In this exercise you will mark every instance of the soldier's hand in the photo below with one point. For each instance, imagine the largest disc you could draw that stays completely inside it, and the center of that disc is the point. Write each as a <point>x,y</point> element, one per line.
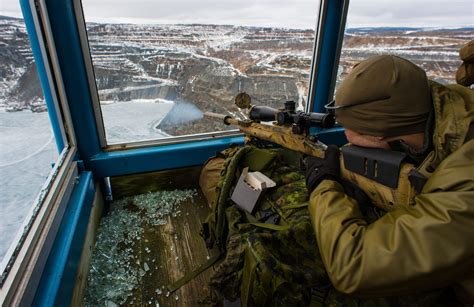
<point>318,169</point>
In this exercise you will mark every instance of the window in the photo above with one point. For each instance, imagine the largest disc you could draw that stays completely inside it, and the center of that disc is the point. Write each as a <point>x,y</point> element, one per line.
<point>27,143</point>
<point>159,65</point>
<point>36,178</point>
<point>428,33</point>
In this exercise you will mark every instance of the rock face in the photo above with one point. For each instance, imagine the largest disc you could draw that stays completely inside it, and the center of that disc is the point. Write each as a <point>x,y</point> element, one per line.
<point>19,84</point>
<point>434,50</point>
<point>207,65</point>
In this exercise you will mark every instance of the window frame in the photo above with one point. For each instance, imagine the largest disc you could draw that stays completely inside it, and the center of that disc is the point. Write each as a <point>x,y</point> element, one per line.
<point>331,27</point>
<point>23,278</point>
<point>81,24</point>
<point>22,265</point>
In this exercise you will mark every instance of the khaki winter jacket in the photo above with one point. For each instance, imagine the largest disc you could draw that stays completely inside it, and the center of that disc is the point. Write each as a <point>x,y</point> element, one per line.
<point>425,246</point>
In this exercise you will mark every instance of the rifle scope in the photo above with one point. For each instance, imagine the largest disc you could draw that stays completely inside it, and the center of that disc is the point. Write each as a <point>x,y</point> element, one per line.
<point>300,121</point>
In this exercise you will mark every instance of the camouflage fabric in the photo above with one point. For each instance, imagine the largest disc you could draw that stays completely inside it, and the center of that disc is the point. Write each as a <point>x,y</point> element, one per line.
<point>279,263</point>
<point>257,269</point>
<point>434,298</point>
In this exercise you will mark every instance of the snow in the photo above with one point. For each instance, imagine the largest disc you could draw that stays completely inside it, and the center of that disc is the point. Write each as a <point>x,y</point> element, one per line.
<point>27,151</point>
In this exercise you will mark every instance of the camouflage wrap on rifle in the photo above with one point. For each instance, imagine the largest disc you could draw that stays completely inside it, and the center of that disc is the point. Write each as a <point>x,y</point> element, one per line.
<point>380,195</point>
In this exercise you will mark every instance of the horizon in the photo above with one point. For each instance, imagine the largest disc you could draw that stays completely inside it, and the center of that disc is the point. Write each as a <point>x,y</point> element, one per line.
<point>360,27</point>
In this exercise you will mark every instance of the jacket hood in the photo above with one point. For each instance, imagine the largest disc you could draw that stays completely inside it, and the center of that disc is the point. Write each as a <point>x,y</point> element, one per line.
<point>454,117</point>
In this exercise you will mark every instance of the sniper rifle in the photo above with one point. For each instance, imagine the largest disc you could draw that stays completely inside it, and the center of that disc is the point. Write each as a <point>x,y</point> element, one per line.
<point>381,174</point>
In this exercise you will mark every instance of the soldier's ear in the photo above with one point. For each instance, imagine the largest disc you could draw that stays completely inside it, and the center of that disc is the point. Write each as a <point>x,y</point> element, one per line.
<point>384,140</point>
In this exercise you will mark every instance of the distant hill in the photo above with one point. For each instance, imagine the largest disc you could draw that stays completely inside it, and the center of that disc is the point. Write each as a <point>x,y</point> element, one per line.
<point>385,29</point>
<point>207,65</point>
<point>9,18</point>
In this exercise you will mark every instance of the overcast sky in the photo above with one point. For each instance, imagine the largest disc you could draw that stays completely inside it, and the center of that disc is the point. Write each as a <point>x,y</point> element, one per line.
<point>285,13</point>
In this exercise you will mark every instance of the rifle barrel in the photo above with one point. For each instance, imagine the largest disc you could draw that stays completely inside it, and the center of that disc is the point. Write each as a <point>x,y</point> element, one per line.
<point>227,119</point>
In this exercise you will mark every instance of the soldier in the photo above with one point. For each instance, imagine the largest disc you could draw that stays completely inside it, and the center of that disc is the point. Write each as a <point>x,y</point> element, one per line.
<point>388,102</point>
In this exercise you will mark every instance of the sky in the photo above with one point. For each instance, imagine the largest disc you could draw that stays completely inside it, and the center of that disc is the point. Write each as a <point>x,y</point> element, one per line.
<point>279,13</point>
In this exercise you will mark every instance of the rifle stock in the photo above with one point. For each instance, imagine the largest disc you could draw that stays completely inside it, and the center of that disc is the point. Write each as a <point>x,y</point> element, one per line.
<point>381,195</point>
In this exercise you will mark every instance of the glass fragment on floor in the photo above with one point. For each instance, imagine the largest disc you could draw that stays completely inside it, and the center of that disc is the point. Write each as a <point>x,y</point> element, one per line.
<point>116,269</point>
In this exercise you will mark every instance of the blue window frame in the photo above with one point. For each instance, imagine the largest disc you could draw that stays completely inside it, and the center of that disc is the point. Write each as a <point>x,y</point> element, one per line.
<point>169,73</point>
<point>20,266</point>
<point>64,72</point>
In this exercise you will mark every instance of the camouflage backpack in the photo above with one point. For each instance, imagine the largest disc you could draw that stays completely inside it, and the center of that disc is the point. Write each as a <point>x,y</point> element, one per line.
<point>271,257</point>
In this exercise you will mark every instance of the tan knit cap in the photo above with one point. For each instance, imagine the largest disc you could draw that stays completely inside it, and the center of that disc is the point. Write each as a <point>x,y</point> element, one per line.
<point>384,96</point>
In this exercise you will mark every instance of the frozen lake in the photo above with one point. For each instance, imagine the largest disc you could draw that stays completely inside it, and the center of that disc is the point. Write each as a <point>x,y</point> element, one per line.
<point>134,120</point>
<point>28,149</point>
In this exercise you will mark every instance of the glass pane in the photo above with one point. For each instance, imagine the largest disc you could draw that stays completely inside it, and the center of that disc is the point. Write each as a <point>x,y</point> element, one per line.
<point>160,64</point>
<point>428,33</point>
<point>27,144</point>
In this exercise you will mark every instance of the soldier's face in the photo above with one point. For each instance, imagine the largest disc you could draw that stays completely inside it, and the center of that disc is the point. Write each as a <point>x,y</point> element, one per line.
<point>366,140</point>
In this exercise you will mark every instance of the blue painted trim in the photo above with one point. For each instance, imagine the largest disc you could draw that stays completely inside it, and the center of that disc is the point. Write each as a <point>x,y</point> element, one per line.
<point>158,158</point>
<point>68,48</point>
<point>333,136</point>
<point>59,275</point>
<point>328,47</point>
<point>40,67</point>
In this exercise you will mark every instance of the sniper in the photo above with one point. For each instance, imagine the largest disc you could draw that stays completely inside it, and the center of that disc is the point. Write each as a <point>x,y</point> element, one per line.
<point>315,238</point>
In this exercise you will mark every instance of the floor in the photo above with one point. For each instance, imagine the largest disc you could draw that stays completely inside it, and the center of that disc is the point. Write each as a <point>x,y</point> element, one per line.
<point>170,250</point>
<point>177,242</point>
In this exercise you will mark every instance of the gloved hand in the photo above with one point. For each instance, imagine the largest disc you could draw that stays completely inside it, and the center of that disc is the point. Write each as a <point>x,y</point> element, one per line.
<point>318,169</point>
